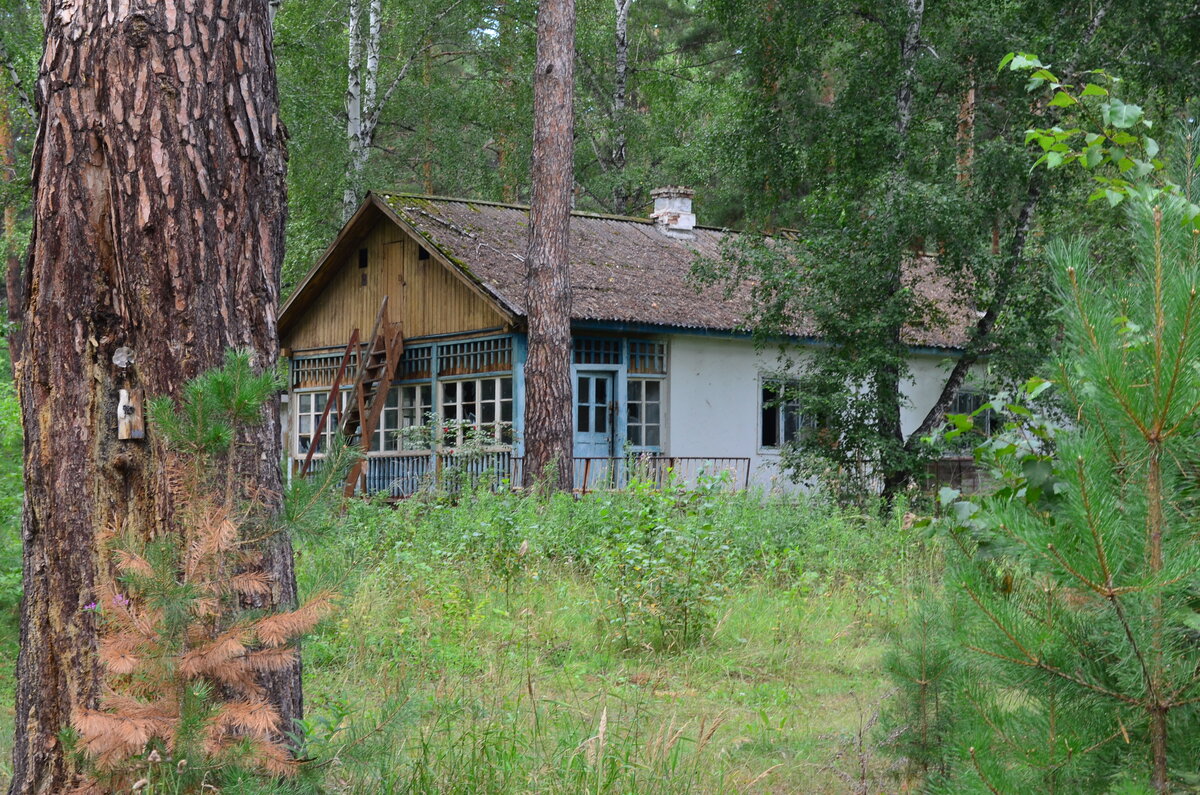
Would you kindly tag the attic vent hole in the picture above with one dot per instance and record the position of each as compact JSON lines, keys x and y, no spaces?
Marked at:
{"x":422,"y":253}
{"x":362,"y":258}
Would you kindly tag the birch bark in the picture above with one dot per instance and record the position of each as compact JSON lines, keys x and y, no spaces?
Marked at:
{"x":620,"y":100}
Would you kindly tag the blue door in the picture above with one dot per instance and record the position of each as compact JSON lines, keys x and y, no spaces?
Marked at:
{"x":595,"y":415}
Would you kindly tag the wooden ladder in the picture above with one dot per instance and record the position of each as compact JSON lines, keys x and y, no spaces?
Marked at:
{"x":377,"y":365}
{"x":376,"y":370}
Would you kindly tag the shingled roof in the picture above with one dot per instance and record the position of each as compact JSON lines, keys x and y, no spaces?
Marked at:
{"x":623,"y":270}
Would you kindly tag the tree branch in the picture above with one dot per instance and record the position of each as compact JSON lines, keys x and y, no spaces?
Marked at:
{"x":14,"y":77}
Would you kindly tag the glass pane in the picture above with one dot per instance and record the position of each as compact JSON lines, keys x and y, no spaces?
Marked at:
{"x":304,"y":406}
{"x":633,"y":391}
{"x":652,"y":436}
{"x":791,"y":423}
{"x":408,"y":397}
{"x":426,"y":397}
{"x":449,"y":393}
{"x":468,"y":392}
{"x":506,"y":410}
{"x":770,"y":419}
{"x":653,"y":390}
{"x":304,"y":423}
{"x":489,"y":388}
{"x":602,"y":390}
{"x":635,"y":413}
{"x":581,"y":420}
{"x":319,"y":402}
{"x":635,"y":435}
{"x":601,"y":415}
{"x":487,"y":412}
{"x":585,"y":392}
{"x":651,"y":413}
{"x":506,"y":388}
{"x":393,"y":397}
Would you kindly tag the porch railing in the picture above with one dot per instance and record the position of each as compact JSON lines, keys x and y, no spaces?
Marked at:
{"x":406,"y":473}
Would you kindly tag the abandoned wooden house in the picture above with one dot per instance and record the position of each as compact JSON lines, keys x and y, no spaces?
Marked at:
{"x":415,"y":316}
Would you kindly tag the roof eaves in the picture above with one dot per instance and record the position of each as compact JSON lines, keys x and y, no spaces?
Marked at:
{"x":399,"y":216}
{"x":300,"y":296}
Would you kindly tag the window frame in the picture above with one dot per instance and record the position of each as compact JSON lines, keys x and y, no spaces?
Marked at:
{"x":984,"y":423}
{"x":641,"y":423}
{"x":314,"y":415}
{"x":501,"y":440}
{"x":803,"y":424}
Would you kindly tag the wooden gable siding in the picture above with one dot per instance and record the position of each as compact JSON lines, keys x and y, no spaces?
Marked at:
{"x":424,"y":295}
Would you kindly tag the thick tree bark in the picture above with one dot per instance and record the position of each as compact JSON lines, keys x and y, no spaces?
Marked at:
{"x":548,"y":294}
{"x":159,"y":211}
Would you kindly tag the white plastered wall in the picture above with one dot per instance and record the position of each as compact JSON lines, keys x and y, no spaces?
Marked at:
{"x":713,"y":401}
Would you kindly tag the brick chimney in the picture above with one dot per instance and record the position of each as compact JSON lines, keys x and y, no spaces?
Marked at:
{"x":673,"y":212}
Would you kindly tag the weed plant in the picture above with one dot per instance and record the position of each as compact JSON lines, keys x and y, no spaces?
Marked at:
{"x":494,"y":622}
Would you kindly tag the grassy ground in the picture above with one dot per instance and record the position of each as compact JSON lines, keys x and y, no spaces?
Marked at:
{"x":515,"y":646}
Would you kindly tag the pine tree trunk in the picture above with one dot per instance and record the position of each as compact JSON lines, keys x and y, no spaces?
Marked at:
{"x":548,"y":296}
{"x":159,"y":210}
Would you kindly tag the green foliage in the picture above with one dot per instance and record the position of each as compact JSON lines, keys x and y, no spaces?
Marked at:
{"x":824,"y":147}
{"x":214,"y":406}
{"x":492,"y":613}
{"x":10,"y":502}
{"x":20,"y":49}
{"x":183,"y":637}
{"x":1072,"y":586}
{"x":663,"y":564}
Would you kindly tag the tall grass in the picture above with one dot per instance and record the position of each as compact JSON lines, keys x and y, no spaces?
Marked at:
{"x":480,"y":644}
{"x":490,"y":621}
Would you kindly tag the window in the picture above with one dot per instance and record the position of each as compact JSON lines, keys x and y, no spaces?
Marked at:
{"x":416,"y":404}
{"x":645,"y":412}
{"x":309,"y":406}
{"x":406,"y":407}
{"x":647,"y":357}
{"x":968,"y":401}
{"x":482,"y":403}
{"x":782,"y":421}
{"x":475,"y":356}
{"x":586,"y":350}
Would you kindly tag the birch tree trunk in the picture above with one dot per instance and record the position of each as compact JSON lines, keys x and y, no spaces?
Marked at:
{"x":620,"y":99}
{"x":548,"y":293}
{"x":354,"y":113}
{"x":897,"y":472}
{"x":159,"y":211}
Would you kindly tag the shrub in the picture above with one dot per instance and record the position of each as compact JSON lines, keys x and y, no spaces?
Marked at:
{"x":184,"y":702}
{"x":662,"y":561}
{"x":1072,"y":588}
